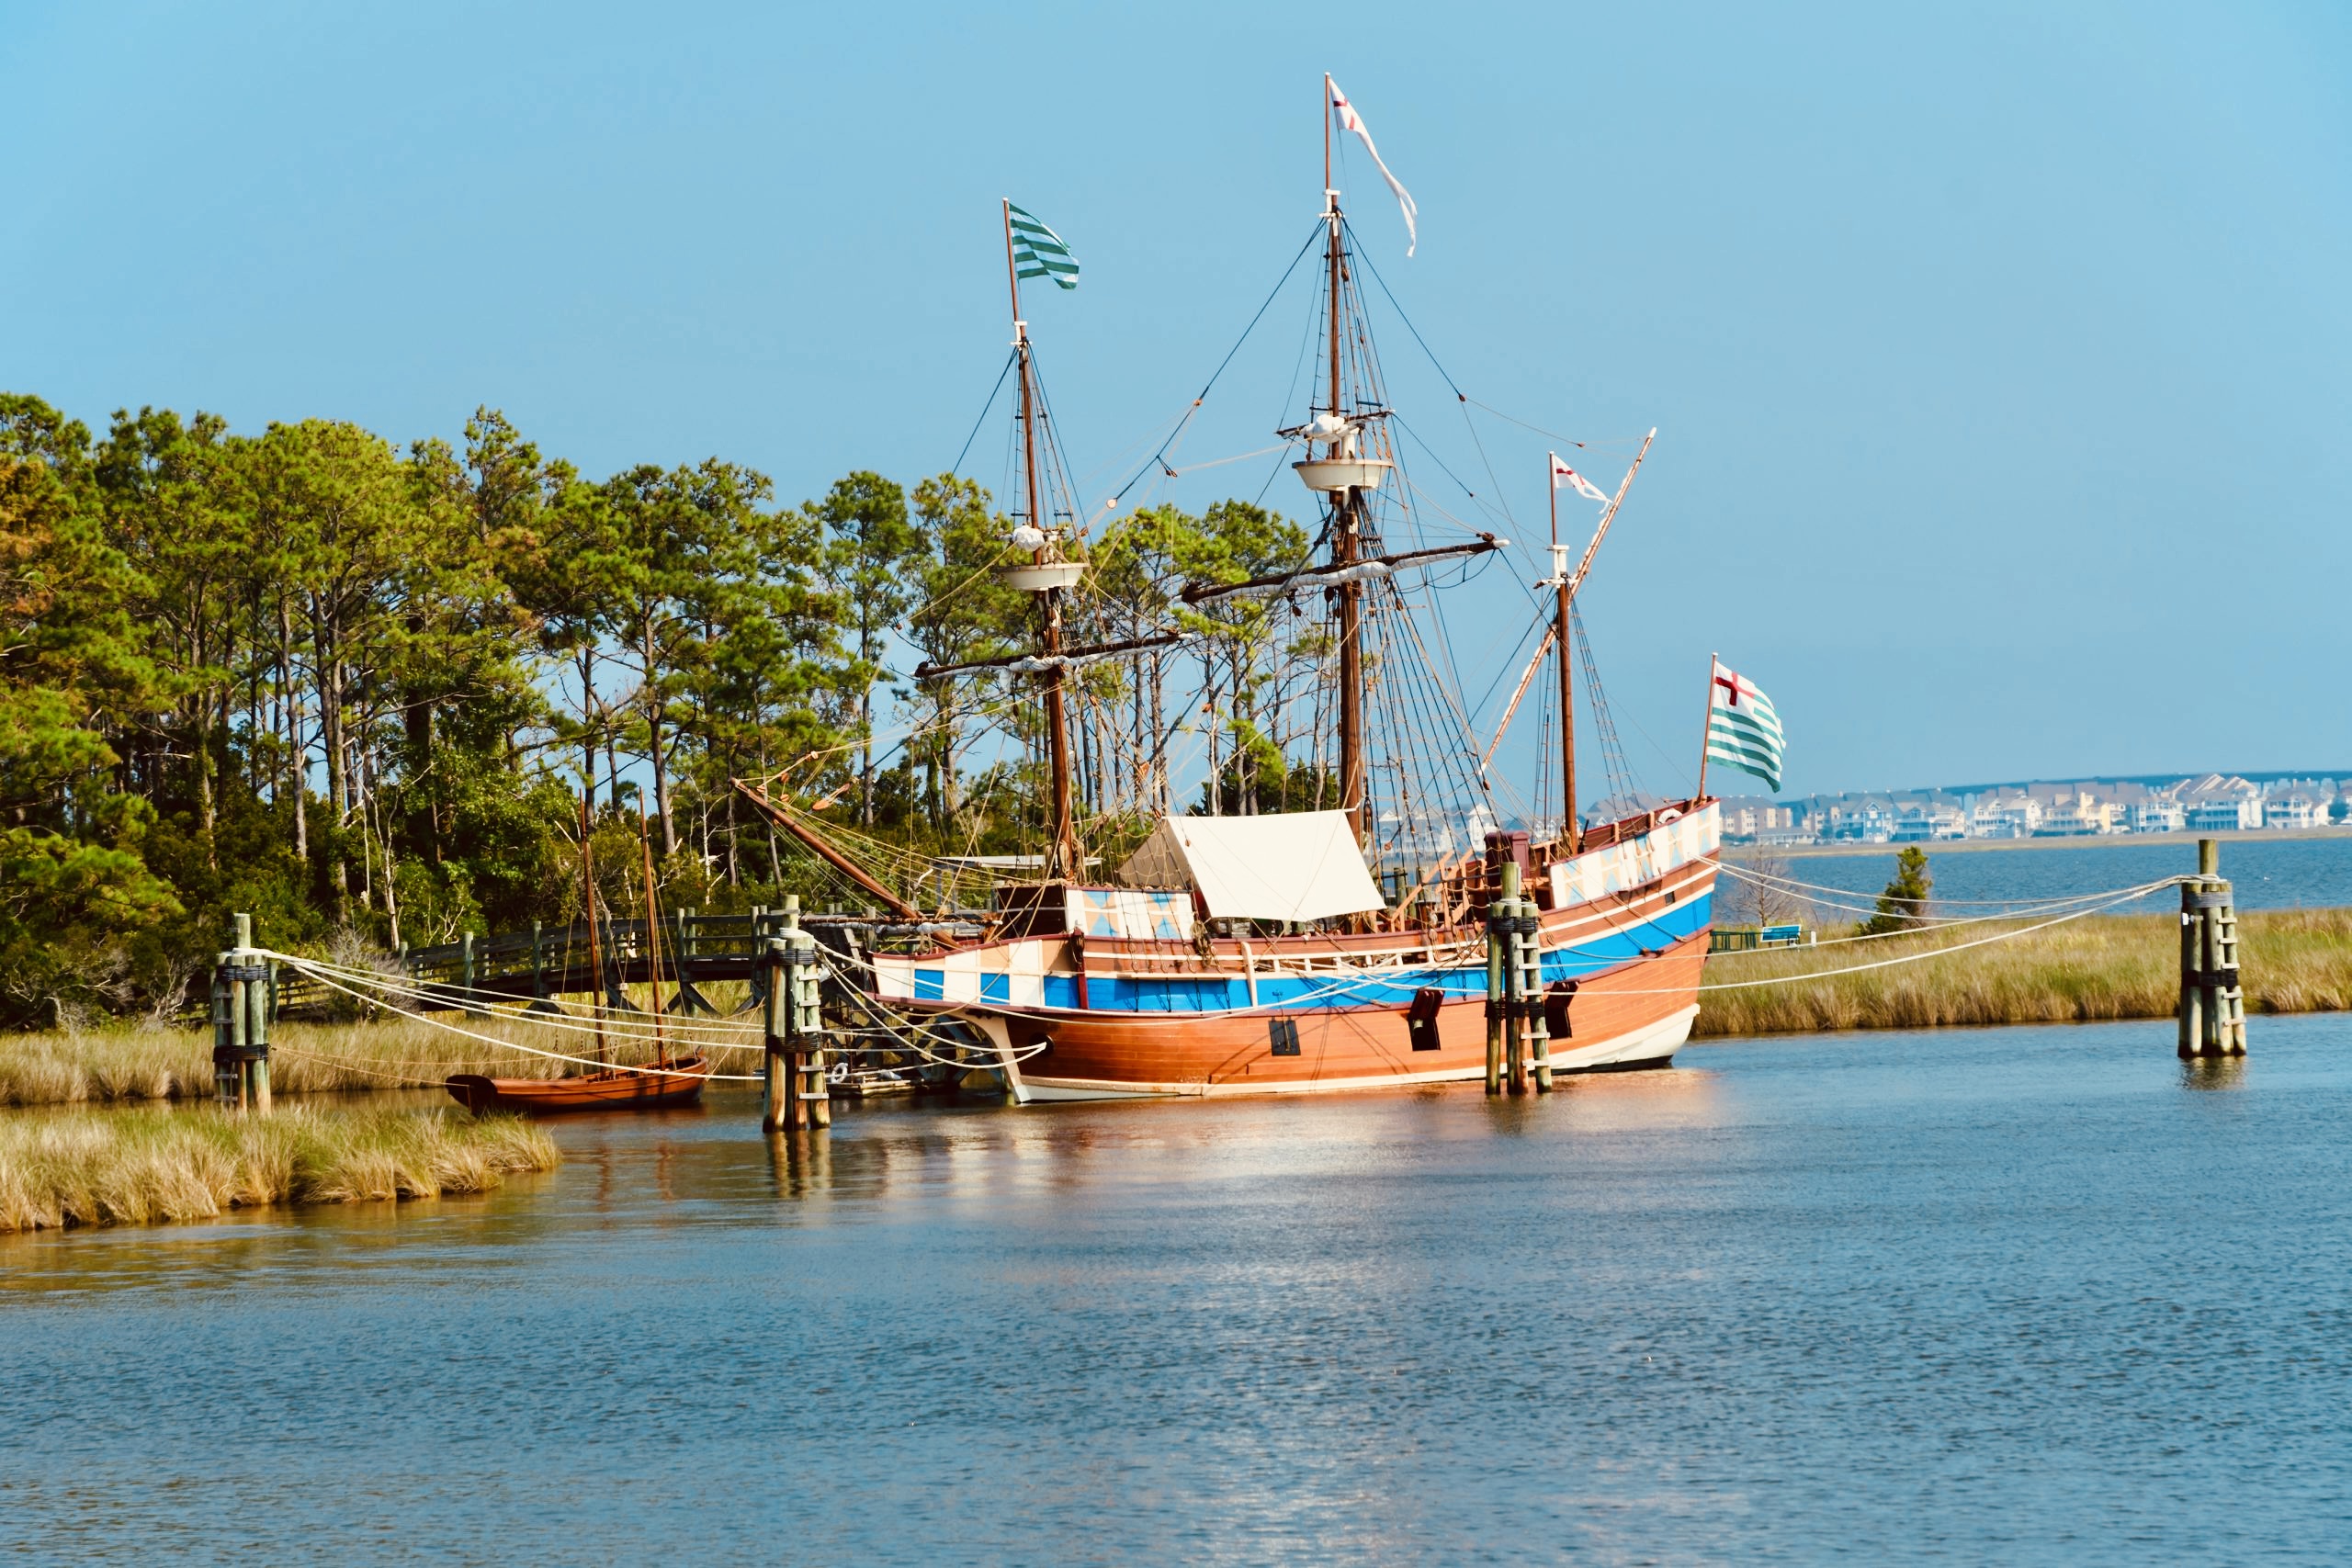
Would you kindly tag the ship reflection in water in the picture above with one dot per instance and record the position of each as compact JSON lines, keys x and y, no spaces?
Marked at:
{"x":1988,"y":1293}
{"x":903,"y":1151}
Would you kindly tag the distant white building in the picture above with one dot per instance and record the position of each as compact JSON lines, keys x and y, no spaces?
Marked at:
{"x":1869,"y":822}
{"x":1927,"y":823}
{"x":1752,"y":817}
{"x":2297,"y":810}
{"x":2157,"y":814}
{"x":2007,"y":814}
{"x":2083,"y":815}
{"x":2223,"y":813}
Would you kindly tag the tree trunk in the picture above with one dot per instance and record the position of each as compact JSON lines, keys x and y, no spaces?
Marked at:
{"x":654,"y":715}
{"x":330,"y":657}
{"x":865,"y":754}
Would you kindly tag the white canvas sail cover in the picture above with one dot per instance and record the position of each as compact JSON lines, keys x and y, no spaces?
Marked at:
{"x":1294,"y":865}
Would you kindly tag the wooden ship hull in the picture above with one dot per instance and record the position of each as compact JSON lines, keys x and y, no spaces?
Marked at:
{"x":1121,"y":1017}
{"x":680,"y":1083}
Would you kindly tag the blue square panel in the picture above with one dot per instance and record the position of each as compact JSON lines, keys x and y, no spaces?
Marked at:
{"x":931,"y":985}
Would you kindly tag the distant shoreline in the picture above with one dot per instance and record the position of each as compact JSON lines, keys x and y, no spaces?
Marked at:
{"x":2188,"y":841}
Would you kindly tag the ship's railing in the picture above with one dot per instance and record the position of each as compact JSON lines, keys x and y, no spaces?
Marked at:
{"x":1469,"y":887}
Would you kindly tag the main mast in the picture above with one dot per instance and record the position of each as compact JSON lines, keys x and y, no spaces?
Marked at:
{"x":1062,"y":856}
{"x":1343,"y":517}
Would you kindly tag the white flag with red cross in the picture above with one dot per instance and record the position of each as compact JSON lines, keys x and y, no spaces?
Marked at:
{"x":1566,"y":477}
{"x":1350,"y":120}
{"x":1743,"y":731}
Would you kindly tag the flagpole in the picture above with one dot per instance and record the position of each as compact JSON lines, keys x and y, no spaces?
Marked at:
{"x":1013,"y":276}
{"x":1707,"y":729}
{"x":1327,"y":135}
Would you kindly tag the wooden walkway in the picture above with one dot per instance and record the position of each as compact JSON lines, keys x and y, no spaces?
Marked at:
{"x":545,"y":963}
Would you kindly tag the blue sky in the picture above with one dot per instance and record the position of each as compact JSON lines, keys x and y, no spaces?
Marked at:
{"x":1999,"y":354}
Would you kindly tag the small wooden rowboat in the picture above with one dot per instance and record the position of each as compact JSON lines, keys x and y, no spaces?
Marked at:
{"x":620,"y":1088}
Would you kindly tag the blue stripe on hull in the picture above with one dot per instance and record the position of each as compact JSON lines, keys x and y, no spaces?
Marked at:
{"x":1389,"y":988}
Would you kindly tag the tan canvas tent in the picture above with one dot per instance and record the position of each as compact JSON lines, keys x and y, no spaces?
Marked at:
{"x":1295,"y":865}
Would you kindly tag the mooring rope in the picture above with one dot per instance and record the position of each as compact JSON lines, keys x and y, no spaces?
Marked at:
{"x":1897,"y":959}
{"x":629,"y":1025}
{"x":1774,"y":878}
{"x":514,"y":1045}
{"x":2026,"y":910}
{"x":385,"y":984}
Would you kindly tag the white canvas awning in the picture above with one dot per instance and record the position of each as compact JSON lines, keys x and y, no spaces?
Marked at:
{"x":1295,"y":865}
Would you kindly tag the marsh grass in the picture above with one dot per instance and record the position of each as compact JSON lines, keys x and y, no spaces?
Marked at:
{"x":151,"y":1165}
{"x":70,"y":1068}
{"x":2105,"y":967}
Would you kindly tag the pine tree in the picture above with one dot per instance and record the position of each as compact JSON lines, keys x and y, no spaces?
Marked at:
{"x":1904,"y":905}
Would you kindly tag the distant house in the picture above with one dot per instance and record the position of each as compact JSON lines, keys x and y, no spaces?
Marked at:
{"x":1866,"y":821}
{"x":1927,"y":823}
{"x":1752,"y":816}
{"x":2157,"y":814}
{"x":2079,"y":817}
{"x":2223,"y":813}
{"x":2007,"y":814}
{"x":2296,"y":810}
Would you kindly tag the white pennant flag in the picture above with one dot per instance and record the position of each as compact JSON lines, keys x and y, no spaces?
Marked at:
{"x":1350,"y":120}
{"x":1566,"y":477}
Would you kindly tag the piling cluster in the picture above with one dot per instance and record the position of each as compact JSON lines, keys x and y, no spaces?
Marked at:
{"x":797,"y":1089}
{"x":2212,"y":1002}
{"x":1518,"y":1031}
{"x":245,"y":996}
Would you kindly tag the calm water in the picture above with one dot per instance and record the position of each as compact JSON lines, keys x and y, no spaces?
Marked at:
{"x":1997,"y":1295}
{"x":2266,"y":875}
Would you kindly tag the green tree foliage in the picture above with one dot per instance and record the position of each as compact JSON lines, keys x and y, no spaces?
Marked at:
{"x":964,"y":612}
{"x":73,"y":884}
{"x":873,"y":560}
{"x":360,"y":691}
{"x":1904,"y":905}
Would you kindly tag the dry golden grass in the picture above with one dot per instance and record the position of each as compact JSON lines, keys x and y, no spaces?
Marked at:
{"x":2103,"y":967}
{"x":142,"y":1167}
{"x":100,"y":1066}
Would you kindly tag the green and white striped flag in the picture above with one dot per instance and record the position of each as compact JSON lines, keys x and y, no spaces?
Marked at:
{"x":1742,"y":729}
{"x":1037,"y":250}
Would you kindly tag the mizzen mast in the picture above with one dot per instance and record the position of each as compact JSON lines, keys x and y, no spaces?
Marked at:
{"x":1569,"y":827}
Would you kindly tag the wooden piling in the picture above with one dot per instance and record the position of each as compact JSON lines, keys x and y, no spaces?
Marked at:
{"x":1514,"y":983}
{"x":812,"y":1086}
{"x":1528,"y":929}
{"x":796,"y":1082}
{"x":1494,"y":996}
{"x":242,"y":994}
{"x":2192,"y":948}
{"x":776,"y":1087}
{"x":2212,"y":999}
{"x":466,"y":956}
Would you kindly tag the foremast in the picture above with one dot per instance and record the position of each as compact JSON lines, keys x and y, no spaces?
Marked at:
{"x":1048,"y":577}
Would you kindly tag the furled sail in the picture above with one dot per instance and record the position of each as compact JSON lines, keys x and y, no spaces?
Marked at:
{"x":1291,"y":865}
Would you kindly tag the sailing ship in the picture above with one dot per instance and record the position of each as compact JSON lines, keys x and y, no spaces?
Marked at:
{"x":1256,"y":954}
